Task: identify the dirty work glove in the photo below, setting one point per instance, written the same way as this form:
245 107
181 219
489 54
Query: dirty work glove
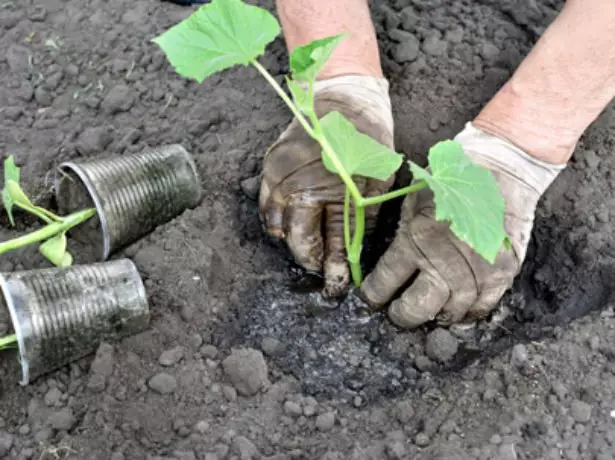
300 201
453 282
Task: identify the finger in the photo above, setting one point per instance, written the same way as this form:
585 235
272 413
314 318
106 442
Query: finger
302 228
392 271
486 302
446 261
336 270
420 303
272 213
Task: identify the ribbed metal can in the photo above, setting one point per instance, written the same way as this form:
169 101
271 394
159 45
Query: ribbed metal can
60 315
132 194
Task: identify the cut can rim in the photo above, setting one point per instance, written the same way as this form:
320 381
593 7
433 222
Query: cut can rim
10 304
96 198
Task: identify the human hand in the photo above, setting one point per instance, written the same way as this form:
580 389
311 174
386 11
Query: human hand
454 283
300 201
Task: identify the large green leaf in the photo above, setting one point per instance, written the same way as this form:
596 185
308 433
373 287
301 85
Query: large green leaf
307 61
217 36
466 195
359 154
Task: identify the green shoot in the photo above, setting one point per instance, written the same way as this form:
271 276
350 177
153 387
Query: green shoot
52 235
10 341
226 33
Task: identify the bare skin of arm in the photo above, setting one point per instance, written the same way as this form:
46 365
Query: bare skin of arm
303 21
561 87
558 91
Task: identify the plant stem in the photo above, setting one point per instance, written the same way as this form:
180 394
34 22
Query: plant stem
278 89
354 253
41 213
394 194
8 341
48 231
315 132
347 220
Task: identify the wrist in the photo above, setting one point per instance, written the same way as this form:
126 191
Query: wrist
532 124
357 54
507 159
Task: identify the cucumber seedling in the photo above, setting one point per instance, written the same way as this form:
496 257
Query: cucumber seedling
53 234
226 33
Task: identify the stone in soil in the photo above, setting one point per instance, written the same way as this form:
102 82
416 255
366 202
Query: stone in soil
580 411
247 370
163 383
326 421
441 345
172 356
63 420
120 98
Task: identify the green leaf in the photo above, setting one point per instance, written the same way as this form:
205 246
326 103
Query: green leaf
467 196
54 249
16 194
217 36
11 170
359 154
301 97
67 259
306 61
11 174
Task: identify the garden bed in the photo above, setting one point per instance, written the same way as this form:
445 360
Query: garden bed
82 79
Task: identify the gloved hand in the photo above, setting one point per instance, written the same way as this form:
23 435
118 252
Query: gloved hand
454 283
300 201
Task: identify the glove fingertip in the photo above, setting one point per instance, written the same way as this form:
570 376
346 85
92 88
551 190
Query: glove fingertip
337 278
368 293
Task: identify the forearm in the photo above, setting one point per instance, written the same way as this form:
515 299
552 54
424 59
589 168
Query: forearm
561 87
306 20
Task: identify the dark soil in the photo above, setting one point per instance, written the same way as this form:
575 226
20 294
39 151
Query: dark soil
240 362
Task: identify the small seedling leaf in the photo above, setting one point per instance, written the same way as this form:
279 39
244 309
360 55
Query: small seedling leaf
54 249
467 196
67 259
17 194
307 61
301 97
217 36
11 174
11 170
8 205
359 154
